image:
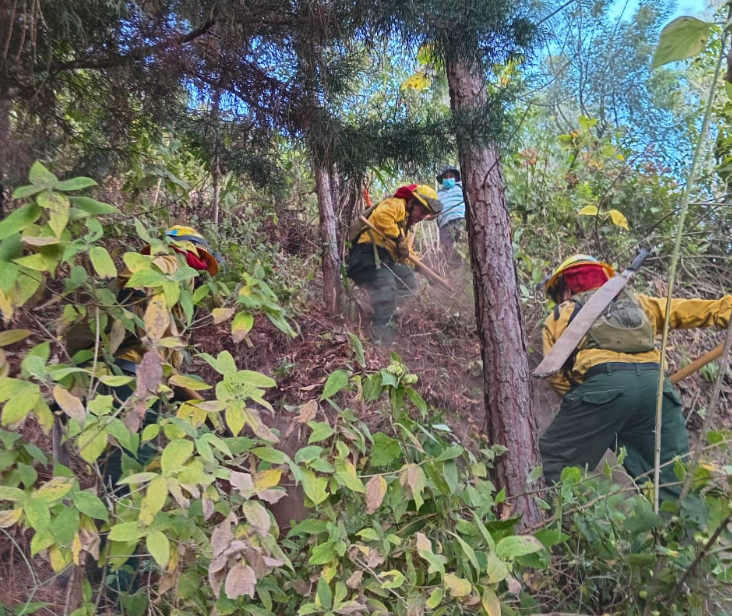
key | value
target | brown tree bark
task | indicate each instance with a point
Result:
(506, 378)
(329, 239)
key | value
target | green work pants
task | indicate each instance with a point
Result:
(616, 409)
(385, 282)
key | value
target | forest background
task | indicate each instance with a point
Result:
(264, 126)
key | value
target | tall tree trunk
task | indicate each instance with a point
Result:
(506, 380)
(329, 239)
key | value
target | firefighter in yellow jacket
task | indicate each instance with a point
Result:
(610, 382)
(380, 268)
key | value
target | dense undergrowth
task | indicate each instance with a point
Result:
(402, 520)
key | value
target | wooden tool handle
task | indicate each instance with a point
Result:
(432, 275)
(697, 364)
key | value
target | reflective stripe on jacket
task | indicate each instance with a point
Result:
(685, 314)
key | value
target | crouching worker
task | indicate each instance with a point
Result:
(381, 266)
(610, 382)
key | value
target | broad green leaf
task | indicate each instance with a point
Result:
(93, 207)
(13, 495)
(175, 455)
(336, 381)
(90, 505)
(26, 191)
(452, 452)
(315, 488)
(435, 598)
(188, 382)
(154, 501)
(102, 262)
(385, 450)
(58, 210)
(36, 262)
(321, 431)
(77, 183)
(469, 552)
(159, 547)
(324, 594)
(518, 545)
(457, 586)
(496, 569)
(18, 220)
(92, 442)
(235, 419)
(323, 554)
(346, 472)
(37, 514)
(146, 278)
(65, 525)
(41, 176)
(11, 336)
(683, 38)
(268, 454)
(308, 454)
(17, 408)
(125, 532)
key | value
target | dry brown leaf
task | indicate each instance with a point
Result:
(308, 411)
(423, 543)
(242, 482)
(133, 417)
(354, 581)
(167, 582)
(149, 374)
(221, 537)
(375, 492)
(222, 314)
(208, 508)
(240, 581)
(216, 579)
(272, 496)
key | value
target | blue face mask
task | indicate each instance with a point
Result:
(448, 183)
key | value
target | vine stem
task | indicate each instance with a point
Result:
(675, 259)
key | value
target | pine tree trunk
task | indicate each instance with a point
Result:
(329, 239)
(506, 379)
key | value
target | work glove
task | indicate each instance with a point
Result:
(401, 249)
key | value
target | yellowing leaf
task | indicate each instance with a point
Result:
(58, 210)
(222, 314)
(234, 416)
(92, 442)
(435, 598)
(70, 404)
(457, 586)
(11, 336)
(157, 317)
(54, 489)
(241, 326)
(315, 488)
(60, 559)
(266, 479)
(490, 602)
(375, 492)
(418, 81)
(618, 219)
(17, 408)
(188, 382)
(346, 472)
(589, 210)
(257, 516)
(136, 262)
(154, 501)
(10, 517)
(102, 262)
(397, 579)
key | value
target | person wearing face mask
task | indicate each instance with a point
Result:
(382, 266)
(451, 221)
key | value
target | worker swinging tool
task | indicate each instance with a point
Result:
(601, 355)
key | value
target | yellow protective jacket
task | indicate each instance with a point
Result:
(685, 314)
(390, 217)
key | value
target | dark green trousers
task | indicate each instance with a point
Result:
(616, 409)
(385, 283)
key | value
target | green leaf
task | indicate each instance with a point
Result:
(17, 408)
(65, 526)
(41, 176)
(452, 452)
(397, 579)
(336, 381)
(90, 505)
(159, 547)
(310, 527)
(321, 431)
(125, 532)
(469, 552)
(346, 473)
(357, 349)
(26, 191)
(18, 220)
(54, 490)
(102, 262)
(92, 442)
(77, 183)
(683, 38)
(58, 210)
(146, 278)
(519, 545)
(37, 514)
(385, 450)
(315, 488)
(324, 593)
(308, 454)
(496, 569)
(323, 554)
(175, 454)
(268, 454)
(435, 598)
